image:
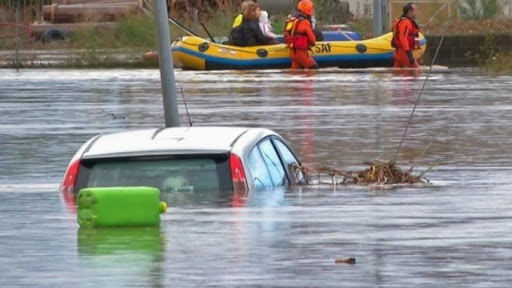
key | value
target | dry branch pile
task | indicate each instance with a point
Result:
(378, 172)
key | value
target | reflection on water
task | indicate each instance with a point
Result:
(120, 240)
(453, 234)
(135, 254)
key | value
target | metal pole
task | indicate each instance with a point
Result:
(195, 24)
(17, 31)
(449, 11)
(385, 16)
(170, 99)
(377, 18)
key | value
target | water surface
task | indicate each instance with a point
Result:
(455, 233)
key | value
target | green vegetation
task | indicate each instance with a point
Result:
(479, 9)
(467, 27)
(123, 45)
(491, 59)
(133, 31)
(218, 22)
(138, 31)
(500, 63)
(278, 24)
(331, 12)
(363, 26)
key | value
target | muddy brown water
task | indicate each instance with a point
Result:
(456, 233)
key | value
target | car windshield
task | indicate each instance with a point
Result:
(180, 179)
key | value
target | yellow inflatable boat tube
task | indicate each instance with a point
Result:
(195, 53)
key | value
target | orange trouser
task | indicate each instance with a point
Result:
(301, 59)
(402, 60)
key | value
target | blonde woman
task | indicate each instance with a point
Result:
(251, 34)
(236, 36)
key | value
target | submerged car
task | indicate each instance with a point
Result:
(183, 162)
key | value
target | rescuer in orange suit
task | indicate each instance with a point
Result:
(300, 37)
(405, 32)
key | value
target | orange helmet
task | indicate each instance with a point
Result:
(306, 7)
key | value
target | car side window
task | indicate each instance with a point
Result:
(288, 157)
(274, 165)
(259, 172)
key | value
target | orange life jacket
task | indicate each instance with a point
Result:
(292, 38)
(410, 34)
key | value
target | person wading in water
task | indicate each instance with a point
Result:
(300, 37)
(405, 34)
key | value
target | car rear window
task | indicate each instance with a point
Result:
(180, 179)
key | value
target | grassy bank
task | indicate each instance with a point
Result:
(500, 63)
(493, 58)
(124, 43)
(133, 31)
(363, 26)
(139, 31)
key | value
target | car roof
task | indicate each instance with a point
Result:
(176, 140)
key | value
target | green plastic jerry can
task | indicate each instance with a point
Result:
(119, 207)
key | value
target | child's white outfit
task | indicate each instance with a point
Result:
(265, 26)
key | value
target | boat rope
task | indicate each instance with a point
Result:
(420, 93)
(208, 32)
(179, 25)
(345, 34)
(186, 108)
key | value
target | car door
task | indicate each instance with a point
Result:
(288, 158)
(260, 176)
(273, 162)
(265, 166)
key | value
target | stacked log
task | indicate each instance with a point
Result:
(69, 15)
(96, 11)
(72, 2)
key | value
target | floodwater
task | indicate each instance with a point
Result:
(455, 233)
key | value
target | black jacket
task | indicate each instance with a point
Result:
(236, 36)
(252, 33)
(248, 34)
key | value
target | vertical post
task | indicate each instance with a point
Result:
(17, 39)
(509, 9)
(165, 61)
(377, 18)
(378, 141)
(195, 19)
(449, 11)
(385, 16)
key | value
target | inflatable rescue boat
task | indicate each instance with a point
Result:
(194, 53)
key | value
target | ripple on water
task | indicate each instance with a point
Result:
(452, 234)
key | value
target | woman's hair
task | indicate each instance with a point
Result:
(407, 8)
(249, 10)
(244, 5)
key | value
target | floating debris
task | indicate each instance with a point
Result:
(350, 261)
(387, 173)
(378, 172)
